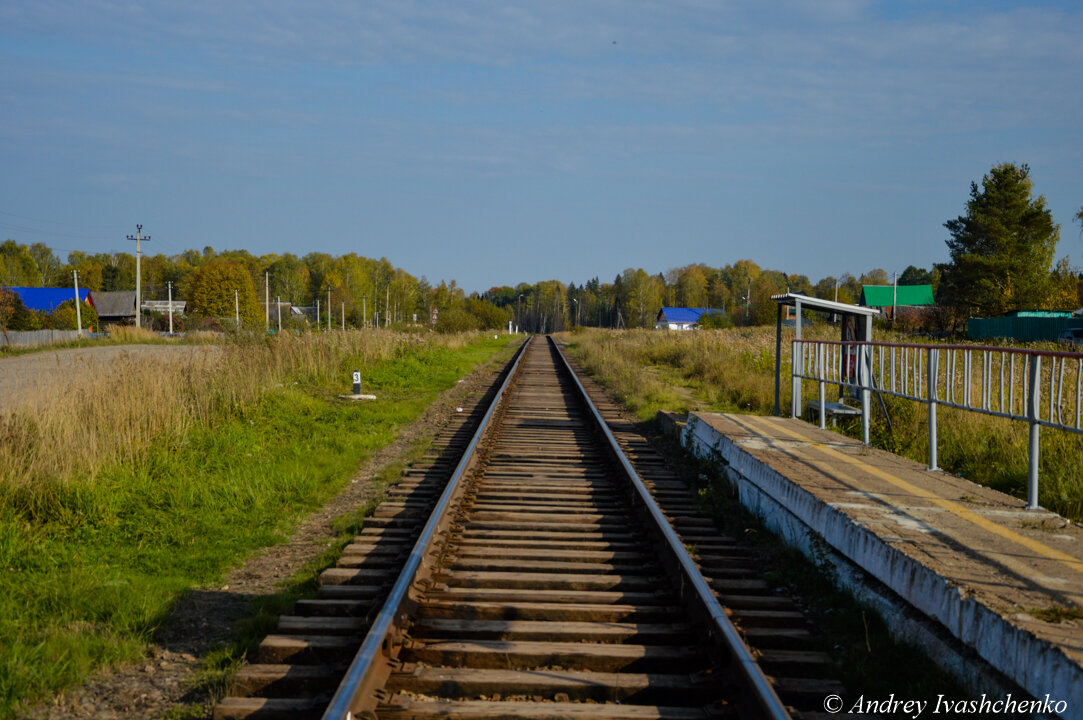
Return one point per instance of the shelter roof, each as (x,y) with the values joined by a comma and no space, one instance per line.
(886,295)
(814,303)
(45,299)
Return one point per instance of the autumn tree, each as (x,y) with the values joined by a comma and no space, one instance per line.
(290,280)
(691,287)
(17,266)
(48,263)
(641,297)
(211,292)
(763,309)
(876,276)
(10,307)
(1001,247)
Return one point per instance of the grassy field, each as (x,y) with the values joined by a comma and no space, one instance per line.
(733,371)
(136,485)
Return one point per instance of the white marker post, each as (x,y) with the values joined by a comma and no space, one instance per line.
(356,382)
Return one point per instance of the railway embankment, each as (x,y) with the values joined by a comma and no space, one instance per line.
(962,570)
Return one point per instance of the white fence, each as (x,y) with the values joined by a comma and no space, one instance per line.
(34,338)
(1039,388)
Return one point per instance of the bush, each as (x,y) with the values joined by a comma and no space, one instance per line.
(159,322)
(455,319)
(64,317)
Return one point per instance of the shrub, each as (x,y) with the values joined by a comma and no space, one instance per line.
(65,318)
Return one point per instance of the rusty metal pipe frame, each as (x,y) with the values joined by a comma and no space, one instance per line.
(355,697)
(766,697)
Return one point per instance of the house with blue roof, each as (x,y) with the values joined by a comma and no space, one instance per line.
(46,300)
(673,318)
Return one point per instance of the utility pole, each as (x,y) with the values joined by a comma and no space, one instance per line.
(267,299)
(278,302)
(78,310)
(343,315)
(237,308)
(364,310)
(387,306)
(169,284)
(317,314)
(139,238)
(894,297)
(328,309)
(748,300)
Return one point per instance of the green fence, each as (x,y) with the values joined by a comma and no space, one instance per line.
(1024,329)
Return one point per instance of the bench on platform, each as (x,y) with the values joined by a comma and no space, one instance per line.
(834,410)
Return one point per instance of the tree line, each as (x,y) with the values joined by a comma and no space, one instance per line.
(1002,259)
(1002,251)
(220,286)
(741,290)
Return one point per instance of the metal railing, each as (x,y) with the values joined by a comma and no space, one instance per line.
(1041,388)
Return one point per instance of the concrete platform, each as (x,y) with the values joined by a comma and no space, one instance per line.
(970,558)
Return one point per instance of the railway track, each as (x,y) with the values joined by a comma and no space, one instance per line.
(540,578)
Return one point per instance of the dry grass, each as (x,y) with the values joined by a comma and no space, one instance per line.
(131,486)
(68,432)
(130,334)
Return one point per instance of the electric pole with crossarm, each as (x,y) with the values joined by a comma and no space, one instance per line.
(139,238)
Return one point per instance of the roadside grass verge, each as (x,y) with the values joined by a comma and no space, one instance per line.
(118,335)
(733,371)
(158,478)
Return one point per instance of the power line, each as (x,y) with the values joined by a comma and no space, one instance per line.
(49,234)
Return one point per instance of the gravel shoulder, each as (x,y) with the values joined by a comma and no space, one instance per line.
(165,683)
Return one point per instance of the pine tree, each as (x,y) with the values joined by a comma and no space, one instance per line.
(1001,248)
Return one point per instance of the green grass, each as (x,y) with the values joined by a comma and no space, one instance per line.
(90,569)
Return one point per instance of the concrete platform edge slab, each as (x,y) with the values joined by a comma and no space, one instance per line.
(1035,665)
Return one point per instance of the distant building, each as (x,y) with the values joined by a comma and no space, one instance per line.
(671,318)
(114,308)
(46,300)
(162,306)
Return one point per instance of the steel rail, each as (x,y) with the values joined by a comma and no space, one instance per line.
(359,677)
(766,696)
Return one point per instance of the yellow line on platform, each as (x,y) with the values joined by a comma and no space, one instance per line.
(952,507)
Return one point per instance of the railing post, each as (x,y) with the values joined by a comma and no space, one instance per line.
(822,373)
(1033,414)
(930,379)
(797,368)
(864,372)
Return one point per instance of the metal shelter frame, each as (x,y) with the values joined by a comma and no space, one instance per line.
(804,302)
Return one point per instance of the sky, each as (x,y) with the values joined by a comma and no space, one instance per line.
(494,143)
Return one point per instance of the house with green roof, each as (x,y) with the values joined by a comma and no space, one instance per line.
(892,295)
